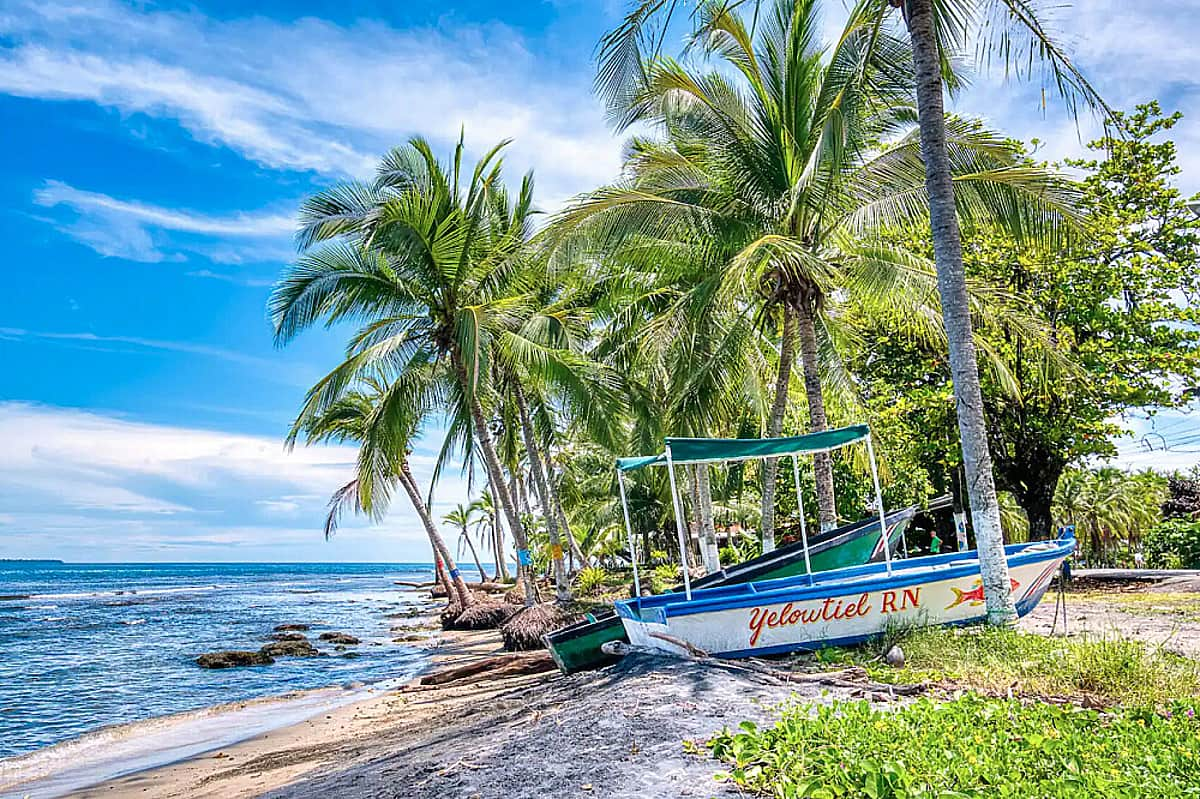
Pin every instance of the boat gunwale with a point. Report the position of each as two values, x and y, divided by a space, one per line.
854 579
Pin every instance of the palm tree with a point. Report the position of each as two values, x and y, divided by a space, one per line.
382 421
463 518
424 261
940 31
783 176
487 507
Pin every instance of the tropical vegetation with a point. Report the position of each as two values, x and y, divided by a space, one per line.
799 238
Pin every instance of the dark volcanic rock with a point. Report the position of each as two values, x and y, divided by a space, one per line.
231 658
289 637
291 628
294 649
339 638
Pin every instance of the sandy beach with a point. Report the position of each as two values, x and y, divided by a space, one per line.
616 733
613 733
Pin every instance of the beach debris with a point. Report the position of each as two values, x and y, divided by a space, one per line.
525 629
895 657
233 658
496 666
483 615
339 638
294 649
291 628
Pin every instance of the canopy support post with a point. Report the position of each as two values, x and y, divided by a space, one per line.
683 543
883 532
800 510
633 555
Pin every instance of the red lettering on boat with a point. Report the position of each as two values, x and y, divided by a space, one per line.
912 598
889 602
789 616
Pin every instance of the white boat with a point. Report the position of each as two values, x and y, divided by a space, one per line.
837 607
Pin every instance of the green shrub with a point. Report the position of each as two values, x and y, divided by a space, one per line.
969 747
1173 544
591 580
664 577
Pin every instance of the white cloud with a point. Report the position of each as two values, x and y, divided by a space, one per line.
136 230
105 484
86 338
1131 53
312 95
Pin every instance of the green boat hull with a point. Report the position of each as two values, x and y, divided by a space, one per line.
578 647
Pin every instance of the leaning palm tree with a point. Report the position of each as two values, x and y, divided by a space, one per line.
462 518
782 167
421 261
382 421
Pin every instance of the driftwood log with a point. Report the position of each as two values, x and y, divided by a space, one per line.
853 677
497 666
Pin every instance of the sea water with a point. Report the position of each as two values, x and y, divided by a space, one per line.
85 646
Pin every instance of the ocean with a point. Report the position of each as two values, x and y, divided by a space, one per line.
85 646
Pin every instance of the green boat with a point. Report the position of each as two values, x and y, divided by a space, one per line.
578 647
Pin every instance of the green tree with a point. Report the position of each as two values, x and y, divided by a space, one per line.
780 166
382 421
1119 306
429 264
462 518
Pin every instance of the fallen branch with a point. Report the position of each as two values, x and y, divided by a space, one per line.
438 591
853 677
497 666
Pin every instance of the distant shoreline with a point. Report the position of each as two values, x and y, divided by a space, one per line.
34 561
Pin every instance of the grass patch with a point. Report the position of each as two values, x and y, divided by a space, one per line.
1183 607
972 746
995 660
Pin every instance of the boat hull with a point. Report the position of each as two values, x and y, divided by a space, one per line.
578 647
840 607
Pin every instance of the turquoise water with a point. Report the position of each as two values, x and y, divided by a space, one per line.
83 646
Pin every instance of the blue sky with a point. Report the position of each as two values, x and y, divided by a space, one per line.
153 158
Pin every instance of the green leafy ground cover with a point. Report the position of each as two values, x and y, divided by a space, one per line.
972 746
996 737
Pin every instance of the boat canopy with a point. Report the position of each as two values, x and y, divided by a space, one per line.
719 450
716 450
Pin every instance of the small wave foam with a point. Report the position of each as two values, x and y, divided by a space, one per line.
133 592
131 622
113 751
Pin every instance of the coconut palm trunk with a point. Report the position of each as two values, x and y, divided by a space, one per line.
414 494
563 524
439 572
775 425
947 250
708 531
562 584
475 556
498 536
817 421
496 476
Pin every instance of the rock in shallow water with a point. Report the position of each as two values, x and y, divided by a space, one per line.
288 637
292 628
294 649
232 658
339 638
